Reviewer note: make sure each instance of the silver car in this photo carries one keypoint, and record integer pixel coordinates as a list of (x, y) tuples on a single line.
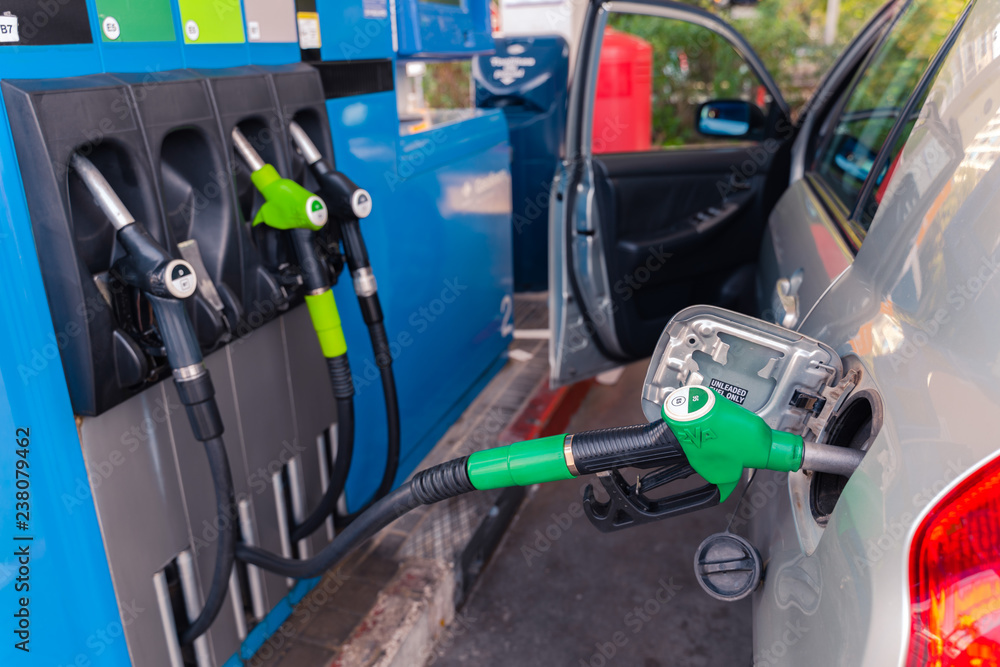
[(869, 224)]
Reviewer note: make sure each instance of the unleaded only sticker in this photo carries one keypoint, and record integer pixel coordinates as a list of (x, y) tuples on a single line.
[(737, 395)]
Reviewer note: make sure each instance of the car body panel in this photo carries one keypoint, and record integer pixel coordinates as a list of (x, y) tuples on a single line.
[(916, 309)]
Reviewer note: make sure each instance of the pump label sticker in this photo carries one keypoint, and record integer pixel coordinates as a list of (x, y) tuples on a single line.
[(376, 9), (8, 29), (737, 395), (509, 69), (309, 35)]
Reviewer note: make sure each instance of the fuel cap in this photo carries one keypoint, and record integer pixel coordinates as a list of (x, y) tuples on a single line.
[(727, 567)]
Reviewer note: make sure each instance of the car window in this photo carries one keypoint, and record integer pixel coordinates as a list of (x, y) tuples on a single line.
[(878, 96), (654, 73)]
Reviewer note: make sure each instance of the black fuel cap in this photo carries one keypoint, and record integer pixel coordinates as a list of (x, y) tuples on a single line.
[(727, 567)]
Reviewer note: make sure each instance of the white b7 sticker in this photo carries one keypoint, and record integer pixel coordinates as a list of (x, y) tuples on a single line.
[(8, 29)]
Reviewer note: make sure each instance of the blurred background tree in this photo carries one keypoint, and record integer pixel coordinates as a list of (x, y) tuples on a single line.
[(692, 65)]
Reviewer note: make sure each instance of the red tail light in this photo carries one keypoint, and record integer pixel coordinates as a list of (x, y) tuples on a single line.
[(955, 577)]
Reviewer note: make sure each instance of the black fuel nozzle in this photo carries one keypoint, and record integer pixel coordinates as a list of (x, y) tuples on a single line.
[(166, 282), (348, 204)]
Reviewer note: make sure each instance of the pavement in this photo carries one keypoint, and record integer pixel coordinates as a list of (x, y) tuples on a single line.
[(558, 592)]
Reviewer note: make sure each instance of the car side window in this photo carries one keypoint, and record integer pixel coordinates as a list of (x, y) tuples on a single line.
[(877, 98), (653, 76)]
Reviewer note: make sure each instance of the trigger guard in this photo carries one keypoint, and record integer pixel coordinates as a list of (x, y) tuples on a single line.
[(627, 507)]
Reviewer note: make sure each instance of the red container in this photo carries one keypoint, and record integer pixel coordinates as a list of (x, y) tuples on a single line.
[(623, 110)]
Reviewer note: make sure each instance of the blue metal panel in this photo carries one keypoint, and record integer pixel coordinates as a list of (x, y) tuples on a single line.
[(354, 29), (69, 571), (274, 53), (211, 56), (43, 62), (439, 239)]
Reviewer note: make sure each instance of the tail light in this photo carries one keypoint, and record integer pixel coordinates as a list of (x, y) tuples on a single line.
[(955, 577)]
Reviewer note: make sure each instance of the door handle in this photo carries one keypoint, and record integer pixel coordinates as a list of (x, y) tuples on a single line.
[(787, 292)]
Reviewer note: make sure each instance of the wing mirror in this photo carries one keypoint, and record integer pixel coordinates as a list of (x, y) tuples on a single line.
[(729, 118)]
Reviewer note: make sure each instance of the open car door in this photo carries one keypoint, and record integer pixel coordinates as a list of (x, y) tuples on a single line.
[(655, 209)]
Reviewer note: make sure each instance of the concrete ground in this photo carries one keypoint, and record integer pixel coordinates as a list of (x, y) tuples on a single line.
[(558, 592)]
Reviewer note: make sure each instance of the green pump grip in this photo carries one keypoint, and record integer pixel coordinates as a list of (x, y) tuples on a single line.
[(287, 205)]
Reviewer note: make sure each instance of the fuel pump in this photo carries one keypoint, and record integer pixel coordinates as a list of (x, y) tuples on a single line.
[(699, 431), (348, 205), (166, 283), (288, 206)]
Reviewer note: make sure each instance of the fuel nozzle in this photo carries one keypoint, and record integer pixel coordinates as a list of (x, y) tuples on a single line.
[(713, 436), (348, 204), (165, 281), (287, 205), (346, 200)]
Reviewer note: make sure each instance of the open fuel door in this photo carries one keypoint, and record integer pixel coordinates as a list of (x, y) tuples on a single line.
[(676, 150)]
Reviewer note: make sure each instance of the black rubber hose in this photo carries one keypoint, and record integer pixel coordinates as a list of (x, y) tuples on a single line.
[(427, 486), (343, 391), (222, 480), (383, 357)]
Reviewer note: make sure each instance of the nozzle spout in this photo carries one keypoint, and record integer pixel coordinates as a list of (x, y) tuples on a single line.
[(304, 143), (830, 458), (252, 157), (104, 195)]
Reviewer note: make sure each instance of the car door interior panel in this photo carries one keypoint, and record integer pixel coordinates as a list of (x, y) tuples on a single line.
[(680, 227)]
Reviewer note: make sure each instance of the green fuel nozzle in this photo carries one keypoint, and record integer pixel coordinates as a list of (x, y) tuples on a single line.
[(287, 205), (717, 438)]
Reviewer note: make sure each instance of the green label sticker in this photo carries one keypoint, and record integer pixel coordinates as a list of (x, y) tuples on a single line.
[(133, 21), (215, 22)]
